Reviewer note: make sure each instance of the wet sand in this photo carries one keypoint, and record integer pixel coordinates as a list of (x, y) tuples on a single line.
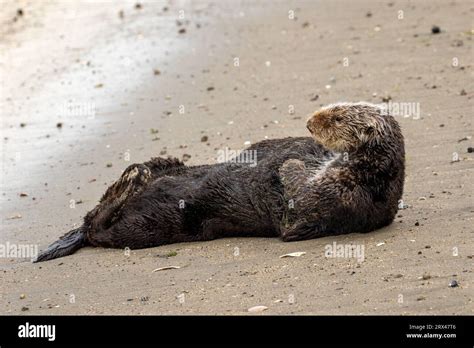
[(86, 92)]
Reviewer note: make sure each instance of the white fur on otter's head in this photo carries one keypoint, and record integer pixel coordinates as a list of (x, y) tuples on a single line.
[(345, 127)]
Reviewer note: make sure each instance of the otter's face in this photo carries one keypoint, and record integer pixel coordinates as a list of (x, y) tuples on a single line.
[(344, 127)]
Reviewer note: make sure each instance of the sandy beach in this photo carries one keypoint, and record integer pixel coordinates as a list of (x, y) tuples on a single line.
[(90, 87)]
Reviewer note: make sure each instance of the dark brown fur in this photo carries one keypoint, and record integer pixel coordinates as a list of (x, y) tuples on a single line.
[(347, 178)]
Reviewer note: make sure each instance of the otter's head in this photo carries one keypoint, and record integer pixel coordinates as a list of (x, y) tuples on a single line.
[(345, 127)]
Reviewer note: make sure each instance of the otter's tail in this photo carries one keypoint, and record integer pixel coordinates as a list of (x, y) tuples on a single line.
[(66, 245)]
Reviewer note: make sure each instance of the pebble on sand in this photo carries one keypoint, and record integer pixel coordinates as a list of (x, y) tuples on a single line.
[(435, 29), (453, 284)]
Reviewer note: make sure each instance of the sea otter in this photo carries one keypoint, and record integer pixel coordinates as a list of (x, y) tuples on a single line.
[(348, 177)]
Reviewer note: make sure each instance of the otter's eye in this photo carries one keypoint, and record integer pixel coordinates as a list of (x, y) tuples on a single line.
[(338, 118)]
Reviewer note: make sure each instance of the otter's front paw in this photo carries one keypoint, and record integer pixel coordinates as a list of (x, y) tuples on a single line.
[(302, 230), (292, 175), (291, 168), (293, 164)]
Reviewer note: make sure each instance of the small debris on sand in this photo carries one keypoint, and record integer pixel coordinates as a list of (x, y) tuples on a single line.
[(426, 276), (165, 268), (316, 97), (16, 216), (257, 309), (295, 254)]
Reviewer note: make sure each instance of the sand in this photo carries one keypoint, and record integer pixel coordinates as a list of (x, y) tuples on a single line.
[(87, 90)]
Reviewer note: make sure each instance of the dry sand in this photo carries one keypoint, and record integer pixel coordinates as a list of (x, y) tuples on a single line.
[(85, 57)]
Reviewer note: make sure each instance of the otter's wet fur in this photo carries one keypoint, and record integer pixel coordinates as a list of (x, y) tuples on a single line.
[(348, 177)]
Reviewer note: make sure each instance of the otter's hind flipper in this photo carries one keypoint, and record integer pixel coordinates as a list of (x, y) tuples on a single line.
[(66, 245)]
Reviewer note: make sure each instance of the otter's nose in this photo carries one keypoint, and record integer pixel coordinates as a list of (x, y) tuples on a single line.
[(308, 123)]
